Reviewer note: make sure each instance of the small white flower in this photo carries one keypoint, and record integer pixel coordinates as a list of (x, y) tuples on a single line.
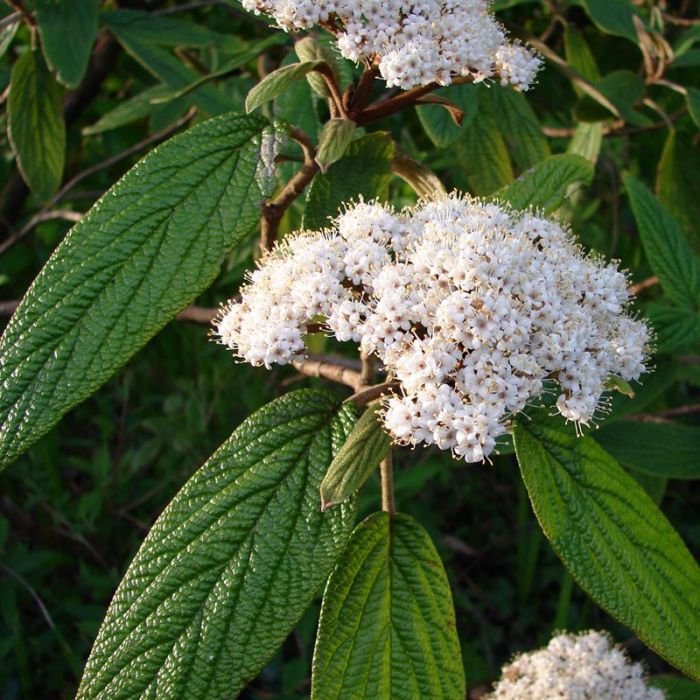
[(575, 667), (473, 308), (416, 42)]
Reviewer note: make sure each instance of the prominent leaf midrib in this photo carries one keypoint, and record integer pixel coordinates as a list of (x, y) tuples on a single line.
[(304, 451), (607, 543)]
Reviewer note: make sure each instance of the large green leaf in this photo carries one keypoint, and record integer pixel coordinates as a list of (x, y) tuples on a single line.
[(387, 626), (231, 564), (362, 172), (613, 539), (586, 141), (520, 127), (482, 152), (436, 120), (666, 246), (614, 17), (361, 454), (146, 249), (36, 127), (545, 185), (660, 449), (67, 32)]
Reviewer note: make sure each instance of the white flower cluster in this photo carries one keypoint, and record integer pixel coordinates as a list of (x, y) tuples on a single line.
[(416, 42), (473, 308), (583, 667)]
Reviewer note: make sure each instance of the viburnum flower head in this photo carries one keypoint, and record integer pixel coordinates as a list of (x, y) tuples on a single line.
[(474, 309), (575, 667), (415, 42)]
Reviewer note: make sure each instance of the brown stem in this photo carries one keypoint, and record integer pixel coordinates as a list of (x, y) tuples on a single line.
[(360, 98), (273, 210), (644, 284), (386, 108), (198, 314), (371, 393), (386, 475), (314, 368), (18, 5), (336, 96)]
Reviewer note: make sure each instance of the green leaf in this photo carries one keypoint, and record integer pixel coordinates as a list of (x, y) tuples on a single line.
[(692, 99), (615, 542), (277, 82), (436, 120), (230, 566), (361, 454), (175, 74), (650, 388), (308, 49), (362, 172), (335, 139), (482, 152), (579, 57), (545, 186), (618, 384), (677, 688), (135, 108), (666, 246), (613, 17), (423, 181), (587, 140), (660, 449), (387, 627), (520, 127), (35, 125), (145, 27), (146, 249), (677, 180), (67, 32)]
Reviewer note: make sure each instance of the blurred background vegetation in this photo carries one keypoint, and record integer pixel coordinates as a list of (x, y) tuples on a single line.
[(76, 507)]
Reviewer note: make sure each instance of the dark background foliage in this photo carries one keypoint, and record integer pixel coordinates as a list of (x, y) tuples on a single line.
[(75, 508)]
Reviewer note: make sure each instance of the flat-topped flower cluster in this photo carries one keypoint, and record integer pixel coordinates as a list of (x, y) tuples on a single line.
[(575, 667), (475, 309), (416, 42)]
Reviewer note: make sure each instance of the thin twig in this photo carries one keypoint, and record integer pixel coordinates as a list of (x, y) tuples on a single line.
[(634, 289), (274, 210), (37, 219), (687, 410), (154, 138), (314, 368), (198, 314), (7, 308), (22, 11), (371, 393), (10, 19)]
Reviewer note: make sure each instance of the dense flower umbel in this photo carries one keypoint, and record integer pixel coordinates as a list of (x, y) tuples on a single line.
[(583, 667), (416, 42), (473, 308)]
